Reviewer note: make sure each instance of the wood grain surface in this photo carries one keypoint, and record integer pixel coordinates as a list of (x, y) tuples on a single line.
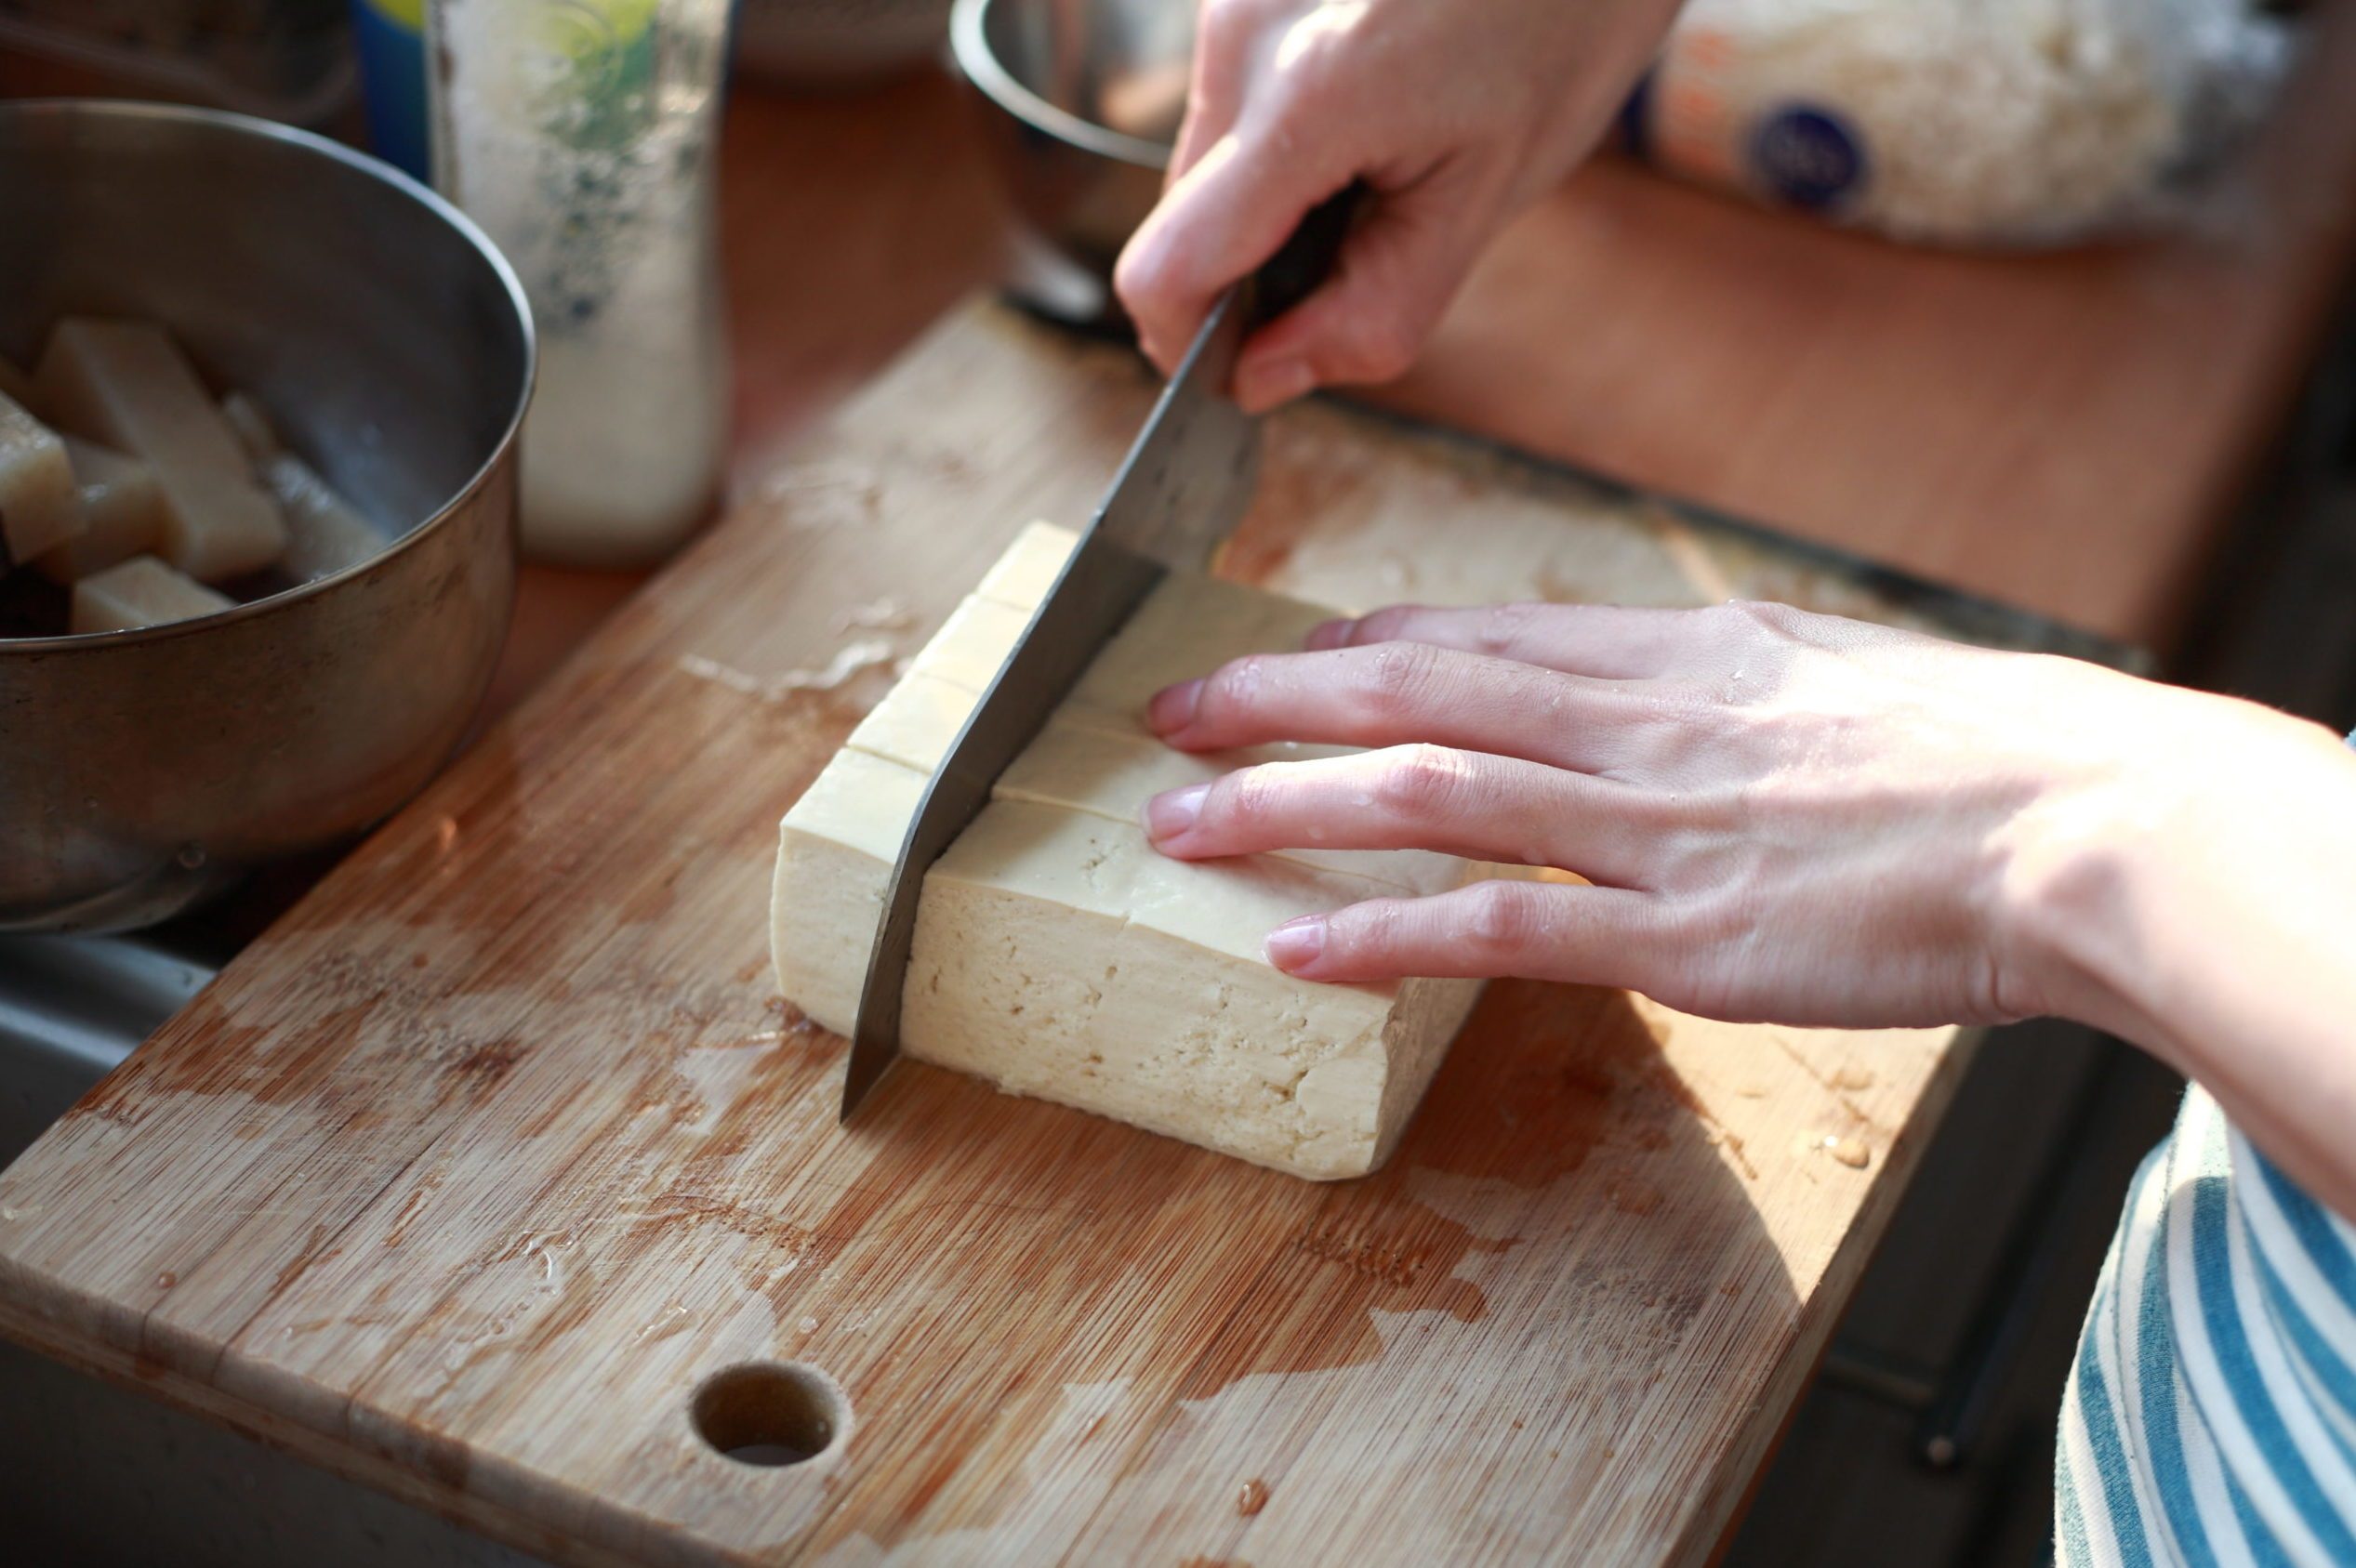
[(466, 1175)]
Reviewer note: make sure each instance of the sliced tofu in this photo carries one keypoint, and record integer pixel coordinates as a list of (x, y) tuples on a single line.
[(1059, 954), (1021, 576), (141, 591), (40, 505), (122, 513), (971, 643), (252, 429), (323, 533), (839, 844), (1186, 628), (127, 384)]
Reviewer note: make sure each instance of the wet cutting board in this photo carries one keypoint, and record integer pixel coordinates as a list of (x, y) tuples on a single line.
[(468, 1175)]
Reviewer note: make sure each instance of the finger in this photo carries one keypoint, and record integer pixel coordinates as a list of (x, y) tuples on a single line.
[(1214, 90), (1604, 640), (1491, 930), (1225, 216), (1413, 797), (1403, 262), (1398, 693)]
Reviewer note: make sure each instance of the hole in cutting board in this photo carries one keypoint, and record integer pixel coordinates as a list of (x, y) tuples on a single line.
[(768, 1412)]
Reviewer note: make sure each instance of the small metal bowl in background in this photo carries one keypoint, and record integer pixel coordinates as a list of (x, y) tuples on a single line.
[(1084, 99), (141, 771)]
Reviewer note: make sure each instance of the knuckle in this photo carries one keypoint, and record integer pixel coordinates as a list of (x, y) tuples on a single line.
[(1503, 919), (1236, 685), (1248, 798), (1421, 783), (1399, 675)]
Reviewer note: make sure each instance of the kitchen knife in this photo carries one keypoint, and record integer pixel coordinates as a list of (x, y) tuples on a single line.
[(1185, 483)]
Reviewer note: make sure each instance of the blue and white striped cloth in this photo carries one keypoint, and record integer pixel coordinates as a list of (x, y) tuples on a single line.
[(2211, 1415)]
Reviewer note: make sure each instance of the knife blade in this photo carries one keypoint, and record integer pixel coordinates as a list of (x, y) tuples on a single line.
[(1185, 485)]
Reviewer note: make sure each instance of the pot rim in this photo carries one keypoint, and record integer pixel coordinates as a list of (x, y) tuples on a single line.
[(72, 108), (970, 42)]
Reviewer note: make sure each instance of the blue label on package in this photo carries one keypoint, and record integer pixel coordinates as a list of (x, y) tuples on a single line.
[(1808, 157)]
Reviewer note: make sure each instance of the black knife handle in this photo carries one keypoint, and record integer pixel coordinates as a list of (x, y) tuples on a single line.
[(1307, 259)]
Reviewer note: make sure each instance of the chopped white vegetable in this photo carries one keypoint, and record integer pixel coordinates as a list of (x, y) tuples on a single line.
[(126, 383), (141, 591), (252, 427), (122, 513), (40, 507), (323, 533)]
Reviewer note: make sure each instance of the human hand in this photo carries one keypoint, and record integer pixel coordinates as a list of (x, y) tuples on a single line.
[(1456, 114), (1784, 816)]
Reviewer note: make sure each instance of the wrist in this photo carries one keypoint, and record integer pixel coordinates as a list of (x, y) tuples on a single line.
[(2074, 874)]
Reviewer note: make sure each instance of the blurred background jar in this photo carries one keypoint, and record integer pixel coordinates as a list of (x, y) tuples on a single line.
[(582, 136)]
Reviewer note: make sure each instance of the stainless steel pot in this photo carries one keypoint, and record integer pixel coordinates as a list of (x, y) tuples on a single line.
[(140, 771), (1084, 98)]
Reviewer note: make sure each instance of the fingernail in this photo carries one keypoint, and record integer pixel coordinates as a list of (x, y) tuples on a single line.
[(1296, 944), (1328, 634), (1174, 810), (1174, 707), (1273, 382)]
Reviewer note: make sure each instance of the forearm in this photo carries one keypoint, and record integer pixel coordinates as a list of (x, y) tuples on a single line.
[(2217, 928)]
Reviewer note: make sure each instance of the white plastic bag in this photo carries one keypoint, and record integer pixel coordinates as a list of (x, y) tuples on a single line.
[(1969, 122)]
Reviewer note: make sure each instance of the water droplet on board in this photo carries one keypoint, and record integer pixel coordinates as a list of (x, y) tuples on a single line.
[(1252, 1498), (1850, 1151)]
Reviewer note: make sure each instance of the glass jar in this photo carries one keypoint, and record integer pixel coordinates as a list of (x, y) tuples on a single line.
[(582, 136)]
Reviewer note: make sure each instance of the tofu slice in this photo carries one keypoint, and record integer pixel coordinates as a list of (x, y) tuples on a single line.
[(141, 591), (1059, 954), (971, 643), (323, 533), (40, 505), (122, 513), (835, 853), (1021, 576), (252, 427), (126, 383)]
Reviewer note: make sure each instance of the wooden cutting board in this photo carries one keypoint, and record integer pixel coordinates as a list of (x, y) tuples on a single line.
[(466, 1176)]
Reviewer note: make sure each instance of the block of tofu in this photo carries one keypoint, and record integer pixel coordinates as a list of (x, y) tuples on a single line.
[(323, 533), (40, 505), (127, 384), (141, 591), (1059, 954), (121, 513)]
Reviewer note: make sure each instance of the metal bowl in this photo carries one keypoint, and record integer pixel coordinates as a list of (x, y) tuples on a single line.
[(141, 771), (1084, 99)]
